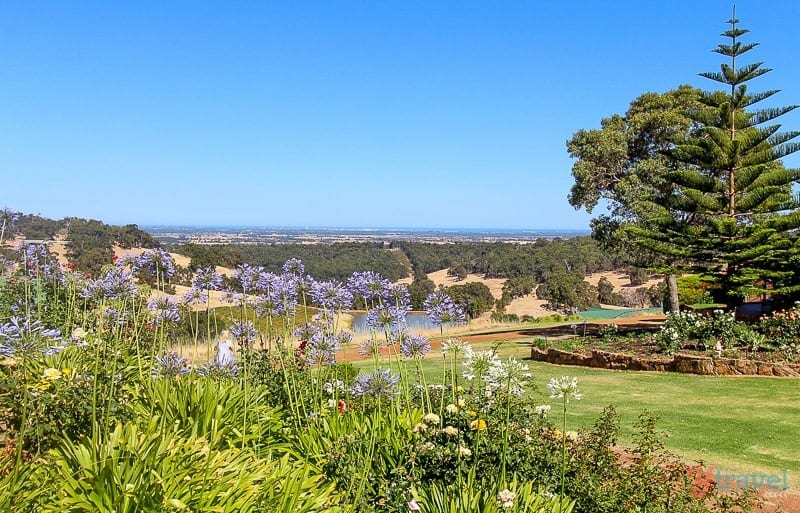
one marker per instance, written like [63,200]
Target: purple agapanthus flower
[322,348]
[331,295]
[215,368]
[194,296]
[442,310]
[39,262]
[369,285]
[284,295]
[118,283]
[21,335]
[264,282]
[371,347]
[158,262]
[243,331]
[164,309]
[207,279]
[305,332]
[169,365]
[247,275]
[94,289]
[386,317]
[415,346]
[294,267]
[399,296]
[112,316]
[378,383]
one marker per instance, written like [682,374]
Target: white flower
[450,431]
[420,428]
[542,410]
[456,347]
[564,387]
[464,452]
[511,375]
[332,386]
[431,418]
[477,365]
[451,408]
[51,374]
[506,498]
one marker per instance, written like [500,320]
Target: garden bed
[681,362]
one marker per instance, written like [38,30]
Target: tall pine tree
[730,210]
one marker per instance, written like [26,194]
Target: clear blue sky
[336,113]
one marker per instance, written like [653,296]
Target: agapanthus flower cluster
[194,296]
[112,316]
[564,388]
[477,364]
[415,346]
[21,335]
[331,295]
[369,286]
[218,369]
[116,284]
[371,346]
[322,348]
[280,298]
[442,310]
[376,384]
[511,375]
[247,275]
[386,317]
[207,279]
[170,364]
[164,309]
[39,262]
[243,331]
[158,262]
[294,267]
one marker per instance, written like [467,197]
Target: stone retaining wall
[680,363]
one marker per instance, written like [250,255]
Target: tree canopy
[693,181]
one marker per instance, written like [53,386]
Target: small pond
[415,321]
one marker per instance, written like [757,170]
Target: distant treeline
[322,261]
[539,260]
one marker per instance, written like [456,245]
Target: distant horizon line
[364,228]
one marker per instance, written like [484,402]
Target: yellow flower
[51,374]
[472,413]
[478,425]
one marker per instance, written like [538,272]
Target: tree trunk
[672,288]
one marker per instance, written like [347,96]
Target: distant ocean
[272,234]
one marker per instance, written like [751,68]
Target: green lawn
[736,424]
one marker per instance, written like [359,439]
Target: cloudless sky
[341,113]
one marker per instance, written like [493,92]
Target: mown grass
[734,424]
